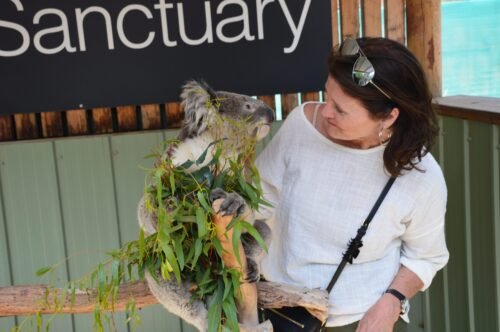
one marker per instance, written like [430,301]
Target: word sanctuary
[161,9]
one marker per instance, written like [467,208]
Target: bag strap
[356,243]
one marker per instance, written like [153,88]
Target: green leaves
[253,232]
[44,270]
[186,243]
[201,221]
[189,247]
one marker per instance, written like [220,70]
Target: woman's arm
[385,312]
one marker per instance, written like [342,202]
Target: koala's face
[203,107]
[255,113]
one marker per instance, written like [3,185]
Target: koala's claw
[252,273]
[217,193]
[233,203]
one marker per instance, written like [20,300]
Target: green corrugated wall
[77,197]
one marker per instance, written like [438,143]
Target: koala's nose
[265,113]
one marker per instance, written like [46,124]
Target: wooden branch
[30,299]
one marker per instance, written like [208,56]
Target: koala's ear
[197,94]
[197,97]
[208,89]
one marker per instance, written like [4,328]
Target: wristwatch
[405,304]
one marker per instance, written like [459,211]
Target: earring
[380,133]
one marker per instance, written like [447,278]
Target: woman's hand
[382,316]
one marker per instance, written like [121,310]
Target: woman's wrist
[393,305]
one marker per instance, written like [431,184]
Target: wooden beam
[395,20]
[102,120]
[52,125]
[310,96]
[26,126]
[349,18]
[288,102]
[481,109]
[127,118]
[151,116]
[334,5]
[372,20]
[424,38]
[31,299]
[7,132]
[175,115]
[77,122]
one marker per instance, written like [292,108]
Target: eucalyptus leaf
[201,221]
[40,272]
[255,234]
[230,312]
[172,260]
[203,201]
[198,246]
[179,252]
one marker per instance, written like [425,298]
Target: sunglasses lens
[363,71]
[349,47]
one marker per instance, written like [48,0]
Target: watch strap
[396,293]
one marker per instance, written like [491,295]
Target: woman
[324,170]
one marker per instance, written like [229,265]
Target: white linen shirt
[322,192]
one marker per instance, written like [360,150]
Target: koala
[196,135]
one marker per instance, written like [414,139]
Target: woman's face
[346,121]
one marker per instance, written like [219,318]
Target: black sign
[67,54]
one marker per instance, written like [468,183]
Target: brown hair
[400,75]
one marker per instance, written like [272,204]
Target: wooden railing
[481,109]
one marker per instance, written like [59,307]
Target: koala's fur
[195,137]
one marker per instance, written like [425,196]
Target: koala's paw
[253,272]
[233,203]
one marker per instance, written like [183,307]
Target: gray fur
[200,103]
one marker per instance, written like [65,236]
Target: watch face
[405,306]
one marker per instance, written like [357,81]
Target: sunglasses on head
[362,71]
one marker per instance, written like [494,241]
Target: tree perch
[31,299]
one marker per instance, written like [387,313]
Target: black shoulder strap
[356,243]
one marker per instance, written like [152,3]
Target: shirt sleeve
[424,248]
[271,164]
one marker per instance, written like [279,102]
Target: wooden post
[288,102]
[7,132]
[175,115]
[150,116]
[127,118]
[52,125]
[247,309]
[310,96]
[424,38]
[77,122]
[372,20]
[334,6]
[395,20]
[349,18]
[26,126]
[102,120]
[31,299]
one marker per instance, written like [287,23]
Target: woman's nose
[328,110]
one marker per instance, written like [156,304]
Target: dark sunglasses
[362,71]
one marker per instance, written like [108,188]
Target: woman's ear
[391,118]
